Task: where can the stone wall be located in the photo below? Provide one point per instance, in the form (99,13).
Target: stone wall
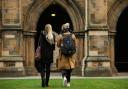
(18,19)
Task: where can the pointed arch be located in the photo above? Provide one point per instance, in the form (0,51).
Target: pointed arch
(114,12)
(31,19)
(38,7)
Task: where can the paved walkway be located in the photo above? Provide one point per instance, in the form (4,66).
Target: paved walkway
(58,76)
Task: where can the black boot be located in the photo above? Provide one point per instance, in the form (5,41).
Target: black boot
(46,84)
(47,77)
(47,81)
(43,80)
(43,84)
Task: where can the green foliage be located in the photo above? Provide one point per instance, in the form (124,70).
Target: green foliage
(57,84)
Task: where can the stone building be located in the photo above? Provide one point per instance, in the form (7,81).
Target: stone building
(100,26)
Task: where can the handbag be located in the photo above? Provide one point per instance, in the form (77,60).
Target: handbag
(37,62)
(38,53)
(38,50)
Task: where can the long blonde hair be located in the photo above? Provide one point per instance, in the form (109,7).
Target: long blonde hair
(49,35)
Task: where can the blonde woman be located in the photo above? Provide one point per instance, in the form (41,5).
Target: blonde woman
(47,41)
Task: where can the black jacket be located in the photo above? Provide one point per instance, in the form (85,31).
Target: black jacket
(46,49)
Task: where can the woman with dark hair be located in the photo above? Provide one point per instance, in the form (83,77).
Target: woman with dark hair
(47,44)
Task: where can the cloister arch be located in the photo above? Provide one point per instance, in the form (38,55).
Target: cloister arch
(114,13)
(38,7)
(31,19)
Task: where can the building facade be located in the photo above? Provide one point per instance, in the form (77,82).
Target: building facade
(99,26)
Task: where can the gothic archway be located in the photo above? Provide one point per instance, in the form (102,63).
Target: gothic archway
(113,16)
(55,15)
(31,19)
(121,42)
(38,7)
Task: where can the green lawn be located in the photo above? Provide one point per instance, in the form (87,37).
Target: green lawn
(57,84)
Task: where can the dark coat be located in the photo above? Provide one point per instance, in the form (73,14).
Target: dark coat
(46,49)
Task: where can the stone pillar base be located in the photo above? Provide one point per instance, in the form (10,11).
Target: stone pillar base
(11,66)
(97,67)
(11,72)
(31,71)
(114,71)
(97,72)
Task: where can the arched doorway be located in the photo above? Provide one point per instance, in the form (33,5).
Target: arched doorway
(114,13)
(33,20)
(54,15)
(121,42)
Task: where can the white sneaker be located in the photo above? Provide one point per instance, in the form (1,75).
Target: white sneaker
(68,84)
(64,82)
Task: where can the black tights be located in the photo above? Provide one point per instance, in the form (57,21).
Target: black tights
(67,73)
(45,73)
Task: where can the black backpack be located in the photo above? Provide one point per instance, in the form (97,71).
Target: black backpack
(68,47)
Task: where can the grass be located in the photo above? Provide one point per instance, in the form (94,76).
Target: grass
(57,84)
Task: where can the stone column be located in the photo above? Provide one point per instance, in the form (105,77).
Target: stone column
(11,60)
(97,62)
(29,52)
(112,52)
